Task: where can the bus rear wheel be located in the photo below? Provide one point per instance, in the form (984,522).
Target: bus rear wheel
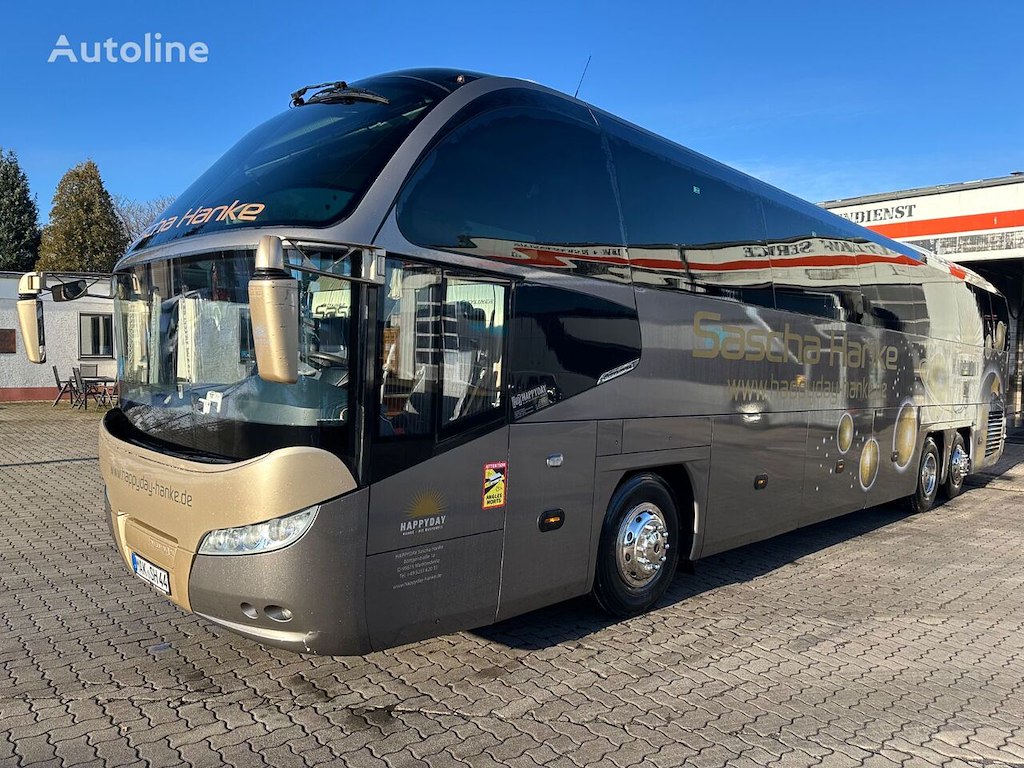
(927,479)
(638,552)
(959,466)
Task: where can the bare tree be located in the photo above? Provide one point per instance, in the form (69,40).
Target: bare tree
(136,215)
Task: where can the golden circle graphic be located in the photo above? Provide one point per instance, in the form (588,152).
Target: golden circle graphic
(936,379)
(844,433)
(904,436)
(869,464)
(999,342)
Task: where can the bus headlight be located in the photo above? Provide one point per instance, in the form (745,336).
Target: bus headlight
(260,537)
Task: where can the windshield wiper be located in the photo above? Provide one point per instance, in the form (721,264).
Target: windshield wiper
(337,92)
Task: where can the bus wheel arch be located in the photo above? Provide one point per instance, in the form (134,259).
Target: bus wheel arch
(677,478)
(641,542)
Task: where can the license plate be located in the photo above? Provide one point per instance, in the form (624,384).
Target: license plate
(150,573)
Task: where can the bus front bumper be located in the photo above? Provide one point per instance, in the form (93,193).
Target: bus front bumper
(306,597)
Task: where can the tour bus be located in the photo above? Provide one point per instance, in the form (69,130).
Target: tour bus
(433,349)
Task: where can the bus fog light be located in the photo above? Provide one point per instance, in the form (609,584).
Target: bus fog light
(261,537)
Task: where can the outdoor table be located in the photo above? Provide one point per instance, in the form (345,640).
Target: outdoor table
(107,384)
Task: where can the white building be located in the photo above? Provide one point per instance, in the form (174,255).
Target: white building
(968,222)
(978,223)
(77,332)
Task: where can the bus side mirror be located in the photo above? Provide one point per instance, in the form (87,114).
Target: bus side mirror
(69,291)
(30,317)
(274,309)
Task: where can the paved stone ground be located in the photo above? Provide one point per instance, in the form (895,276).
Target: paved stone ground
(879,639)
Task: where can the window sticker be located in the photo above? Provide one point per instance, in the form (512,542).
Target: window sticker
(495,482)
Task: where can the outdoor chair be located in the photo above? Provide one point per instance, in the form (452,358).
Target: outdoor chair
(89,370)
(62,387)
(113,394)
(87,390)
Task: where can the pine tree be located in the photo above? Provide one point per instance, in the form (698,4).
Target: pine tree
(19,225)
(84,233)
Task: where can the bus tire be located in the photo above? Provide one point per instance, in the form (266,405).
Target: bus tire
(957,471)
(639,548)
(927,479)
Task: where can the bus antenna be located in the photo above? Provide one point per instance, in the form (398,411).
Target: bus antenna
(582,76)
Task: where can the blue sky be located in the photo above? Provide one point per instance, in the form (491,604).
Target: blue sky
(824,99)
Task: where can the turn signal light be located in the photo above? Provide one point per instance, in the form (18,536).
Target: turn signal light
(551,520)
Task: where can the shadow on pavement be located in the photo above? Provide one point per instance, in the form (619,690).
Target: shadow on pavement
(1008,468)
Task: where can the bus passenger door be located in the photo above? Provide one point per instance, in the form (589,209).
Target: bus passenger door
(549,515)
(439,454)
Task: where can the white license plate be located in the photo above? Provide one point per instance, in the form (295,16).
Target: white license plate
(148,572)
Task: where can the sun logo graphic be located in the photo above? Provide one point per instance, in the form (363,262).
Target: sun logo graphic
(426,513)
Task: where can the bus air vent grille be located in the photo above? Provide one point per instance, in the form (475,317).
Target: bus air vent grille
(994,436)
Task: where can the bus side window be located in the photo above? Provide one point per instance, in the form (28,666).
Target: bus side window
(408,343)
(688,226)
(829,288)
(514,178)
(473,335)
(563,342)
(993,311)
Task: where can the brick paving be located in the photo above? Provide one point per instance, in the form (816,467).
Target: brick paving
(879,639)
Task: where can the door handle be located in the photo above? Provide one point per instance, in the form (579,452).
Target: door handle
(555,460)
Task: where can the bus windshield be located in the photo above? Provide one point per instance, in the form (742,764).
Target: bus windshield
(187,368)
(309,166)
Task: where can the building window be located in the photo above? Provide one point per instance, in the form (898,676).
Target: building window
(95,336)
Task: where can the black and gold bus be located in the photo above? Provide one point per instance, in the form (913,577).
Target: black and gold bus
(434,349)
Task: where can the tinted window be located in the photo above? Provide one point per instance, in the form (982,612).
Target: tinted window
(516,174)
(690,223)
(783,222)
(995,318)
(814,270)
(890,305)
(869,280)
(667,201)
(563,342)
(308,166)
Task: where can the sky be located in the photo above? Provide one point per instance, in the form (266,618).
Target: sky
(826,100)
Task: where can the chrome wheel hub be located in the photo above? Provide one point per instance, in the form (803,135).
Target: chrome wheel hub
(929,474)
(642,544)
(959,465)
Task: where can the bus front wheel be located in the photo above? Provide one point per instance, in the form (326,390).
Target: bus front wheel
(639,551)
(927,479)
